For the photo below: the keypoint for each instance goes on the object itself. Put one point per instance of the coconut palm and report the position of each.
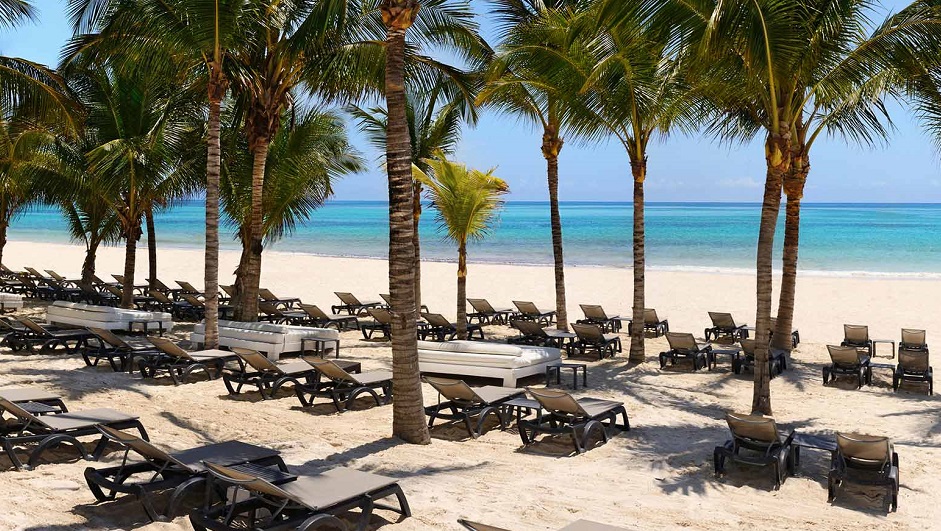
(467, 202)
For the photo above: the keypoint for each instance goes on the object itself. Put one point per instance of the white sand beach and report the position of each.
(657, 476)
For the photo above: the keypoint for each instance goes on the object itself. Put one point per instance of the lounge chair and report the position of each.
(485, 314)
(382, 322)
(61, 279)
(532, 333)
(864, 460)
(269, 297)
(848, 360)
(724, 326)
(158, 285)
(119, 353)
(653, 323)
(352, 305)
(684, 347)
(34, 289)
(50, 431)
(179, 363)
(468, 403)
(139, 289)
(756, 441)
(319, 318)
(345, 387)
(141, 302)
(529, 312)
(197, 308)
(281, 315)
(595, 314)
(387, 302)
(182, 473)
(591, 337)
(188, 288)
(440, 329)
(795, 334)
(777, 360)
(34, 400)
(913, 366)
(301, 502)
(857, 336)
(49, 338)
(578, 525)
(913, 339)
(579, 418)
(267, 375)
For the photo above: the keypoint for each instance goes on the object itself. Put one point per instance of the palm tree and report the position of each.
(467, 202)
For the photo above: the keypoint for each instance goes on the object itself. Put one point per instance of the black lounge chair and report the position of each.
(913, 339)
(138, 289)
(486, 314)
(848, 360)
(777, 359)
(529, 312)
(684, 347)
(857, 336)
(29, 397)
(865, 460)
(913, 366)
(592, 338)
(382, 322)
(141, 302)
(281, 315)
(580, 418)
(318, 317)
(304, 503)
(49, 338)
(196, 310)
(50, 431)
(653, 323)
(344, 388)
(267, 375)
(725, 327)
(795, 334)
(756, 441)
(181, 473)
(578, 525)
(180, 363)
(440, 329)
(595, 314)
(159, 286)
(104, 344)
(352, 305)
(466, 403)
(532, 333)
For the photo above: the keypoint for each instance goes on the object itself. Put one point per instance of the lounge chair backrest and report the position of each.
(190, 298)
(32, 325)
(269, 309)
(682, 341)
(229, 290)
(313, 311)
(913, 337)
(20, 413)
(527, 307)
(436, 319)
(250, 482)
(588, 332)
(481, 306)
(96, 280)
(387, 298)
(594, 311)
(119, 278)
(109, 337)
(866, 448)
(160, 297)
(753, 427)
(856, 334)
(158, 285)
(722, 319)
(114, 290)
(333, 371)
(650, 316)
(748, 346)
(55, 275)
(140, 446)
(529, 328)
(187, 286)
(256, 359)
(455, 390)
(266, 294)
(169, 347)
(347, 298)
(843, 355)
(35, 273)
(913, 360)
(558, 401)
(475, 526)
(380, 315)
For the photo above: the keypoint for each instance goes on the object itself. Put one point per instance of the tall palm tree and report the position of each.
(467, 202)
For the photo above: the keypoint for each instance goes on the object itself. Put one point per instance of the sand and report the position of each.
(657, 476)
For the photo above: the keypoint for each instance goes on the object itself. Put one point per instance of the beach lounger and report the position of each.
(848, 360)
(653, 323)
(13, 285)
(179, 363)
(319, 318)
(387, 302)
(913, 339)
(756, 441)
(50, 431)
(795, 334)
(182, 474)
(777, 360)
(466, 403)
(864, 460)
(578, 525)
(139, 289)
(352, 305)
(857, 336)
(532, 333)
(485, 313)
(684, 347)
(592, 338)
(280, 303)
(724, 326)
(141, 302)
(104, 344)
(188, 288)
(197, 308)
(579, 418)
(24, 395)
(382, 322)
(34, 289)
(440, 329)
(344, 388)
(913, 366)
(267, 375)
(281, 315)
(158, 285)
(307, 502)
(49, 337)
(595, 314)
(529, 312)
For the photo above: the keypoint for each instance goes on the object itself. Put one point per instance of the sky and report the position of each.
(906, 169)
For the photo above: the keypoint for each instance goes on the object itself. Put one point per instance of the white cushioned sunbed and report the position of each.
(269, 338)
(487, 360)
(80, 314)
(10, 301)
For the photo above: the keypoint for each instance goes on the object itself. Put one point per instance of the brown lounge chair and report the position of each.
(595, 314)
(578, 525)
(352, 305)
(440, 329)
(188, 288)
(529, 312)
(197, 308)
(182, 473)
(36, 401)
(777, 359)
(653, 323)
(344, 388)
(857, 336)
(382, 322)
(486, 314)
(848, 360)
(304, 503)
(591, 337)
(281, 314)
(532, 333)
(120, 354)
(913, 366)
(913, 339)
(50, 431)
(267, 375)
(865, 460)
(49, 337)
(724, 326)
(684, 347)
(467, 403)
(756, 441)
(319, 318)
(579, 418)
(180, 363)
(795, 334)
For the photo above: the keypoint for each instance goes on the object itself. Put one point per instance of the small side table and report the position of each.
(320, 346)
(523, 408)
(732, 353)
(556, 369)
(144, 324)
(883, 341)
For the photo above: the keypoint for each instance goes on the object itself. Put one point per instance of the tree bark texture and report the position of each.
(637, 351)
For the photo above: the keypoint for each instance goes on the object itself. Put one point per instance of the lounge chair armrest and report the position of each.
(790, 438)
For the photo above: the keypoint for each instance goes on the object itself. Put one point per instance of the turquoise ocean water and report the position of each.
(893, 239)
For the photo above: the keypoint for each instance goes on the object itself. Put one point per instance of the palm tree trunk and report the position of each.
(213, 165)
(3, 238)
(416, 212)
(777, 154)
(408, 416)
(88, 266)
(638, 353)
(130, 263)
(462, 291)
(794, 188)
(551, 146)
(249, 277)
(151, 248)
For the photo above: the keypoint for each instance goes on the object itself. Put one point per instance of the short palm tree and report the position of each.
(467, 202)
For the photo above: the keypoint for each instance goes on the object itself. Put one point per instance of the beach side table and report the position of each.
(320, 346)
(556, 369)
(713, 356)
(883, 341)
(144, 326)
(814, 442)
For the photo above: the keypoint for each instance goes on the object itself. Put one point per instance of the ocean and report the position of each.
(836, 239)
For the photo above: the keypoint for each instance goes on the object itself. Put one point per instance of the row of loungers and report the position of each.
(853, 357)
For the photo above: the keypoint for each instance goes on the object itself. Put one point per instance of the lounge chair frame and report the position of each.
(465, 404)
(724, 326)
(595, 314)
(694, 352)
(529, 312)
(486, 314)
(847, 468)
(382, 322)
(50, 338)
(591, 337)
(267, 375)
(352, 305)
(764, 444)
(564, 414)
(913, 366)
(440, 329)
(179, 363)
(344, 388)
(842, 364)
(119, 353)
